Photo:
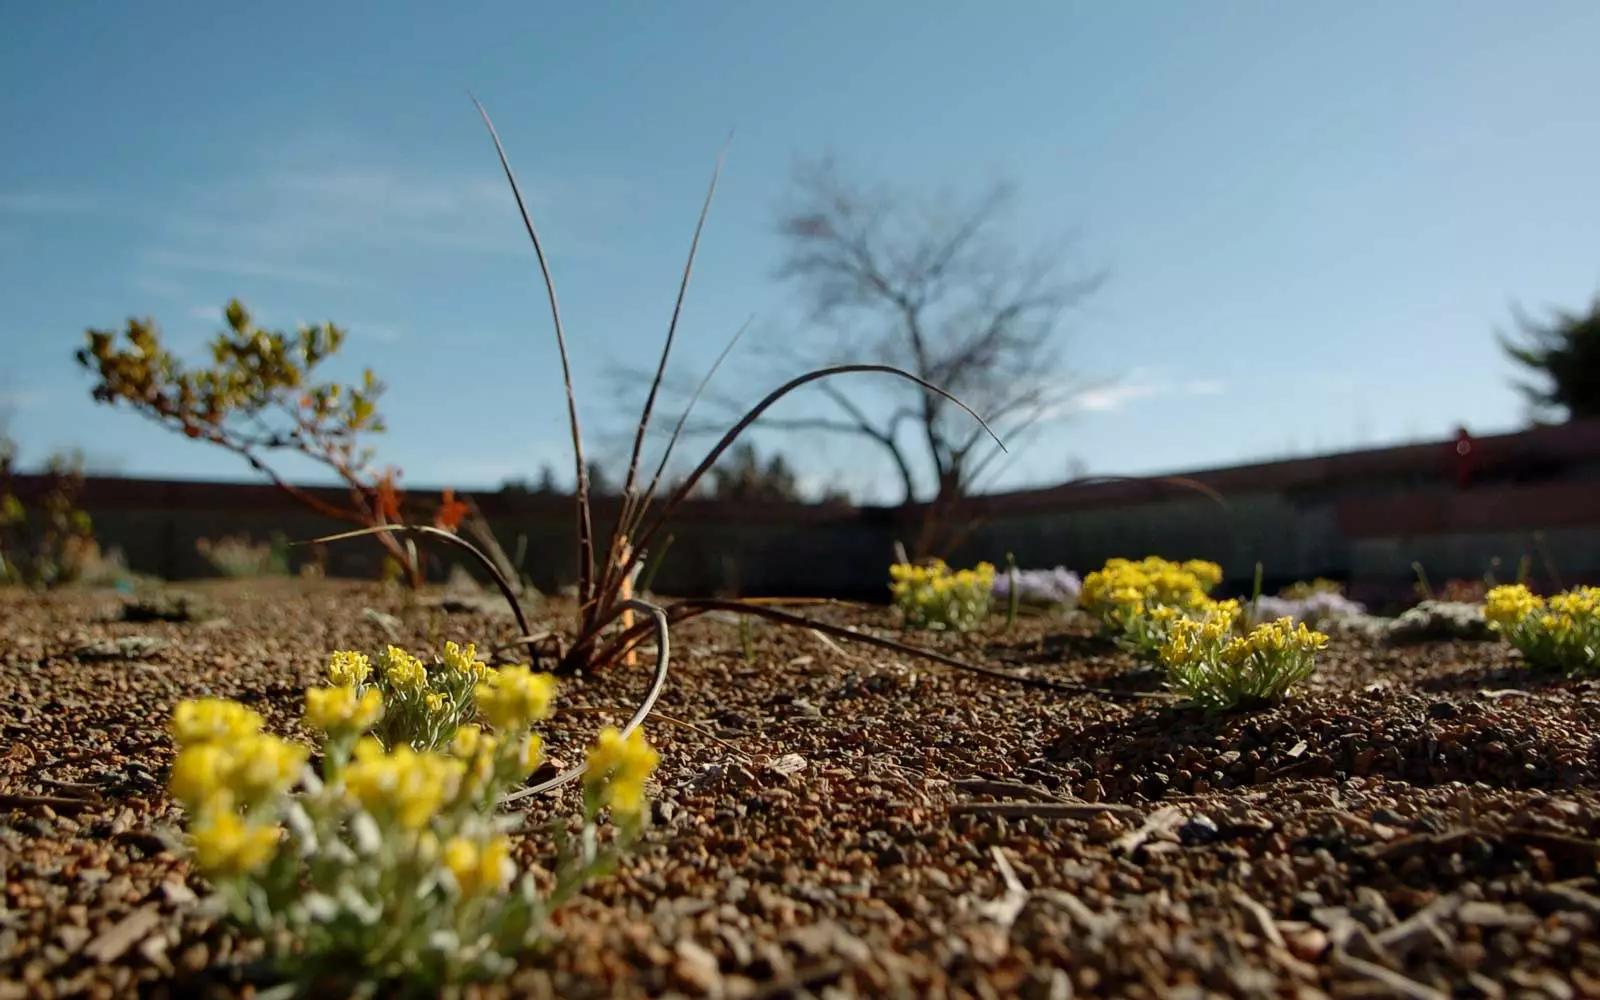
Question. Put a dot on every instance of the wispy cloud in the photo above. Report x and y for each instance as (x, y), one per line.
(243, 266)
(45, 203)
(1205, 387)
(1113, 397)
(1140, 385)
(22, 399)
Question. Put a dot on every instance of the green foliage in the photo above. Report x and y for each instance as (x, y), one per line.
(1559, 634)
(931, 596)
(258, 395)
(236, 557)
(387, 870)
(743, 476)
(1213, 667)
(53, 544)
(1563, 357)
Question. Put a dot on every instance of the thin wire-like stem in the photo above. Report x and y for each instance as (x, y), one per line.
(683, 418)
(500, 580)
(689, 608)
(585, 515)
(657, 620)
(754, 414)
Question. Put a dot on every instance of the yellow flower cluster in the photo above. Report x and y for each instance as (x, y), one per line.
(515, 697)
(616, 769)
(348, 669)
(932, 596)
(402, 784)
(1561, 633)
(1123, 587)
(1212, 666)
(402, 671)
(226, 768)
(479, 866)
(340, 709)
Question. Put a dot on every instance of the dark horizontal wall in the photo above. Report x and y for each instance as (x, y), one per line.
(1359, 516)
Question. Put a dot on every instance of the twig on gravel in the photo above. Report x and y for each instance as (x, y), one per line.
(9, 801)
(1266, 924)
(1404, 936)
(1160, 821)
(991, 786)
(1039, 810)
(1401, 985)
(1005, 910)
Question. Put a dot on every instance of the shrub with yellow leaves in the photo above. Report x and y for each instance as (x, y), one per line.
(931, 596)
(391, 870)
(1212, 666)
(1560, 635)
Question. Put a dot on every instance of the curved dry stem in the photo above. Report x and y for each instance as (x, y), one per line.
(506, 590)
(658, 621)
(689, 608)
(754, 414)
(585, 518)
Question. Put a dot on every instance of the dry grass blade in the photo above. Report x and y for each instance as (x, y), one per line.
(683, 418)
(672, 333)
(658, 621)
(585, 518)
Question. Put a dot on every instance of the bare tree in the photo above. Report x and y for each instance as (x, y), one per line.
(932, 285)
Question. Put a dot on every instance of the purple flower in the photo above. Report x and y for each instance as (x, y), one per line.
(1059, 586)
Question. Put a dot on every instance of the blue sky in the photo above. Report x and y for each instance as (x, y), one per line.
(1313, 215)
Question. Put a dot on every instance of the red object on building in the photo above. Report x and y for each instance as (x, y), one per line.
(1466, 457)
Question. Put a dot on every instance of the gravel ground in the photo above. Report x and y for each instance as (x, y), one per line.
(839, 822)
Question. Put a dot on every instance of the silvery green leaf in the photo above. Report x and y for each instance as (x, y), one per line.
(445, 941)
(507, 823)
(320, 907)
(310, 780)
(369, 839)
(301, 826)
(359, 906)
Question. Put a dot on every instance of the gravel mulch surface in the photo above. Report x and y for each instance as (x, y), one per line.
(839, 822)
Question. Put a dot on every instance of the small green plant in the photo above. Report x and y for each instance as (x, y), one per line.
(1213, 667)
(258, 396)
(1137, 603)
(234, 556)
(389, 871)
(932, 596)
(52, 545)
(1561, 634)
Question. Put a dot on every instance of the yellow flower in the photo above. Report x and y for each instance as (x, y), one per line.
(348, 668)
(437, 703)
(266, 766)
(515, 697)
(224, 844)
(530, 755)
(469, 739)
(618, 765)
(200, 776)
(204, 720)
(464, 660)
(1506, 606)
(403, 671)
(403, 784)
(341, 710)
(479, 868)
